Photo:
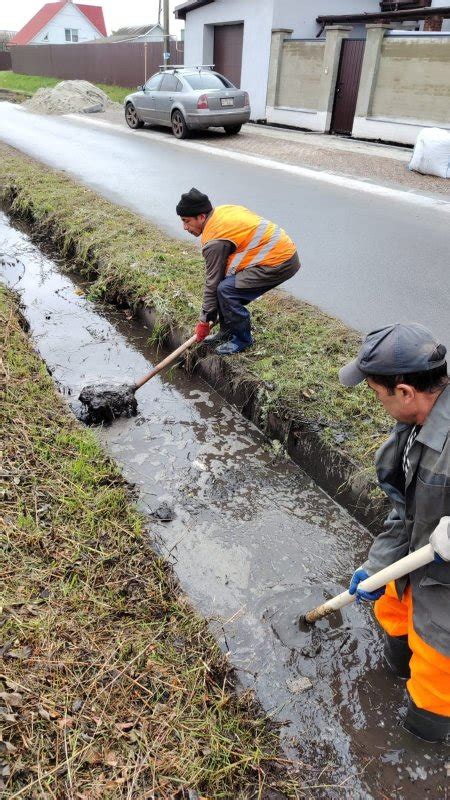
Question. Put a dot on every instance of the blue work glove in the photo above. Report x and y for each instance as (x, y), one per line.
(438, 559)
(358, 576)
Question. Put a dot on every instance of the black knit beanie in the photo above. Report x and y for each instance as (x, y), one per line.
(193, 203)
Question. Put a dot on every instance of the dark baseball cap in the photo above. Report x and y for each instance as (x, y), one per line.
(394, 350)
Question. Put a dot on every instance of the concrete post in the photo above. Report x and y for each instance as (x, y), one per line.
(276, 57)
(330, 66)
(369, 71)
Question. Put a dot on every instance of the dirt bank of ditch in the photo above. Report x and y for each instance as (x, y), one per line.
(287, 384)
(111, 684)
(14, 95)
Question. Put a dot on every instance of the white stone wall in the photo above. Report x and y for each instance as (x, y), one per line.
(408, 89)
(68, 17)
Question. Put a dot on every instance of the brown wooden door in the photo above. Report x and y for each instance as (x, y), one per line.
(228, 51)
(347, 85)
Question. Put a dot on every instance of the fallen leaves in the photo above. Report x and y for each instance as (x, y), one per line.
(20, 653)
(65, 722)
(6, 716)
(12, 699)
(44, 713)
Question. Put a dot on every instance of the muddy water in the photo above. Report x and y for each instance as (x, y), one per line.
(250, 537)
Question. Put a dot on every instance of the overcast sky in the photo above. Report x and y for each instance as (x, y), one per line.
(14, 15)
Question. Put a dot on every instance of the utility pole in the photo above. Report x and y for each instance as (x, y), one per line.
(166, 54)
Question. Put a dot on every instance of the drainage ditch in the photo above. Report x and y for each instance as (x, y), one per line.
(253, 541)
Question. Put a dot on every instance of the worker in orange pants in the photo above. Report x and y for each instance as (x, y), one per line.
(408, 656)
(406, 369)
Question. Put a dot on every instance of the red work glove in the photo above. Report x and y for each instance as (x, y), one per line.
(202, 330)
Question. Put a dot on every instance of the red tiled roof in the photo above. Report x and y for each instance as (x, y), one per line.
(46, 14)
(94, 15)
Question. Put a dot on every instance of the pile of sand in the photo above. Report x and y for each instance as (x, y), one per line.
(68, 97)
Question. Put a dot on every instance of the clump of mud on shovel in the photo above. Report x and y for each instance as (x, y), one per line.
(106, 402)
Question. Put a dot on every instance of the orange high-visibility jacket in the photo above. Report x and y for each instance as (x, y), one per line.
(257, 241)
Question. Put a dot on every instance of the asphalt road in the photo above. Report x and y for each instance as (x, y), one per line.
(367, 259)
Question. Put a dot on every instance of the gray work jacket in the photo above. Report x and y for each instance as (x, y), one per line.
(418, 505)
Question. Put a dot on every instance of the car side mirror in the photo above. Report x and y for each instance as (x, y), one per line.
(141, 88)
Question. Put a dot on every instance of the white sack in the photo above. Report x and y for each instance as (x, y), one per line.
(431, 154)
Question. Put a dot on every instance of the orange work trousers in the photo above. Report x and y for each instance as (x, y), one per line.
(429, 684)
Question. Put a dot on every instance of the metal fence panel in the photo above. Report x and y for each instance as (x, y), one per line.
(5, 60)
(117, 63)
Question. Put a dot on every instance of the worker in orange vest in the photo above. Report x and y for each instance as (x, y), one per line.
(245, 256)
(406, 369)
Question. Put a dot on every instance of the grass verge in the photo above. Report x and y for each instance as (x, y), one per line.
(111, 686)
(298, 350)
(31, 83)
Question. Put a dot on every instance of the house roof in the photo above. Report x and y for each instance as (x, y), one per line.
(132, 32)
(93, 13)
(181, 11)
(384, 16)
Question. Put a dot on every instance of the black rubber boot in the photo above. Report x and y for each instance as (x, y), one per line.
(397, 654)
(221, 336)
(426, 725)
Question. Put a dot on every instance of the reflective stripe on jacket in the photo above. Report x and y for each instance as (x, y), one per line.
(418, 505)
(257, 241)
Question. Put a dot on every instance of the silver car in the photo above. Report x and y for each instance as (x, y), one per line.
(188, 98)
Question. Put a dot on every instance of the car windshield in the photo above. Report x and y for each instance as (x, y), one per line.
(207, 80)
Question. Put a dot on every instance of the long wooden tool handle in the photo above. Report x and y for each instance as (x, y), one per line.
(396, 570)
(166, 361)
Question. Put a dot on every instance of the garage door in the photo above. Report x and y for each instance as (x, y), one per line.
(228, 51)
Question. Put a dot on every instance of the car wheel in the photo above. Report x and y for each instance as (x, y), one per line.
(132, 118)
(232, 130)
(179, 127)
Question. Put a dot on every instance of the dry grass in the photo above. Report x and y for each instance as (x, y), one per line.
(110, 685)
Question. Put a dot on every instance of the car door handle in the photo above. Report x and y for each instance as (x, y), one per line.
(170, 98)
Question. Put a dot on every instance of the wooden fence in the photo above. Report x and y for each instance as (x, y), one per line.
(117, 63)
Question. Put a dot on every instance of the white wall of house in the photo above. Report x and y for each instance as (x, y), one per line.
(257, 18)
(301, 14)
(68, 17)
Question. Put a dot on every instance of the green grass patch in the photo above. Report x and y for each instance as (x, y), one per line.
(31, 83)
(111, 686)
(298, 351)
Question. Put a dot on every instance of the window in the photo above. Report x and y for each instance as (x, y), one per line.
(169, 83)
(207, 80)
(153, 82)
(71, 34)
